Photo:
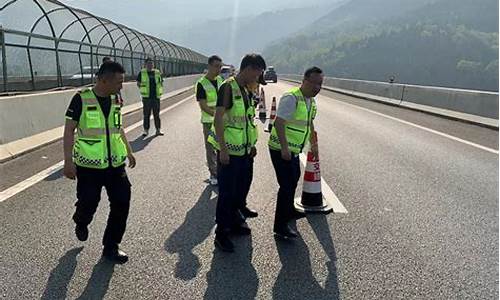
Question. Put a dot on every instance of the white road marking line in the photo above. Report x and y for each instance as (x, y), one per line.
(21, 186)
(451, 137)
(327, 192)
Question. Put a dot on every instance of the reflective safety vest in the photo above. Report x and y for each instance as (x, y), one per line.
(240, 132)
(297, 130)
(211, 93)
(98, 140)
(144, 84)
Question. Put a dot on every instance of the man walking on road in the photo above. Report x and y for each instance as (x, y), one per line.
(292, 129)
(206, 94)
(97, 157)
(235, 139)
(150, 85)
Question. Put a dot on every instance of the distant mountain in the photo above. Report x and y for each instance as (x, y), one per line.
(232, 38)
(436, 42)
(160, 16)
(357, 14)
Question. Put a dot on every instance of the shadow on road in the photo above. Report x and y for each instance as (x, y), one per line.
(55, 176)
(295, 279)
(196, 228)
(232, 275)
(141, 142)
(98, 284)
(60, 276)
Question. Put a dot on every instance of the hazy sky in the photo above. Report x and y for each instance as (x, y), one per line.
(145, 14)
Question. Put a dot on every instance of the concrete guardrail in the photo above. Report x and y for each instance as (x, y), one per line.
(30, 121)
(480, 107)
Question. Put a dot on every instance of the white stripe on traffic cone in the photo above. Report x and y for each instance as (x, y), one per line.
(272, 116)
(312, 198)
(262, 106)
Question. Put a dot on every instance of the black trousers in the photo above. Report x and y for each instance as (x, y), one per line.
(148, 105)
(288, 175)
(88, 192)
(234, 182)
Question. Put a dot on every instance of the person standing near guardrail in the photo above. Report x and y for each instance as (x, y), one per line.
(235, 138)
(206, 94)
(150, 85)
(97, 157)
(293, 128)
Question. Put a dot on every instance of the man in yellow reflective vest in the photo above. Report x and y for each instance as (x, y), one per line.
(235, 138)
(206, 94)
(150, 85)
(292, 129)
(97, 157)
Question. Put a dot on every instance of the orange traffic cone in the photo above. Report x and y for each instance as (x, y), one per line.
(312, 198)
(262, 106)
(273, 115)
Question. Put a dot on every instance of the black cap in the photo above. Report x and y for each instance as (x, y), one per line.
(261, 79)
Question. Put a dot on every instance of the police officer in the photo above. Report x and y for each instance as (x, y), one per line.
(206, 95)
(235, 139)
(292, 129)
(97, 157)
(150, 85)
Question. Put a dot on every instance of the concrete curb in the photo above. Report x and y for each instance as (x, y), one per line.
(22, 146)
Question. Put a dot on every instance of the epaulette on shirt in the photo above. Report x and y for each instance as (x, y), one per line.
(84, 90)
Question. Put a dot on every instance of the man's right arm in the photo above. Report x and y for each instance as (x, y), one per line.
(138, 80)
(279, 124)
(68, 141)
(72, 117)
(204, 107)
(222, 103)
(201, 97)
(285, 111)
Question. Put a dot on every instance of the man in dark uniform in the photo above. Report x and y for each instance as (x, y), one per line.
(206, 94)
(150, 83)
(97, 157)
(293, 129)
(235, 139)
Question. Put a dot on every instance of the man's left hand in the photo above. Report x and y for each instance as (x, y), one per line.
(315, 151)
(131, 161)
(253, 152)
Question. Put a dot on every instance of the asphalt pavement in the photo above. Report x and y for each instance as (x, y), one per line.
(421, 221)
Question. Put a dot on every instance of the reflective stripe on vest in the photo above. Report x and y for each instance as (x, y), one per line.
(297, 130)
(240, 132)
(211, 94)
(144, 84)
(98, 140)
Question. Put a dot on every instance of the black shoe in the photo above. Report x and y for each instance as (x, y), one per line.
(115, 255)
(248, 213)
(82, 232)
(241, 229)
(285, 232)
(223, 243)
(298, 215)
